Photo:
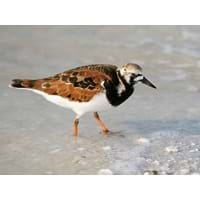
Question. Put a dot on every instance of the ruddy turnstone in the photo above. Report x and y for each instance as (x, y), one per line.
(90, 88)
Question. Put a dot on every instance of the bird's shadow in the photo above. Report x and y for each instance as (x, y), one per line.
(118, 133)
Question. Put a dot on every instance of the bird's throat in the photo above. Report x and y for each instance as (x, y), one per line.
(117, 94)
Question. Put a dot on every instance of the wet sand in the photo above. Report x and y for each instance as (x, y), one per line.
(154, 132)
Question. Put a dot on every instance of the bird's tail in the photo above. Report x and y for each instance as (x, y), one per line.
(19, 83)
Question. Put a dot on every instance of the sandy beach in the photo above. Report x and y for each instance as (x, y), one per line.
(153, 132)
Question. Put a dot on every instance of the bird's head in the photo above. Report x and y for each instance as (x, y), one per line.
(132, 73)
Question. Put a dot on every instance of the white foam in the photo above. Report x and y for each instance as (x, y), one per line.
(171, 149)
(106, 148)
(105, 172)
(142, 140)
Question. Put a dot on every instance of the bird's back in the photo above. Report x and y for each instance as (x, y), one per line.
(78, 84)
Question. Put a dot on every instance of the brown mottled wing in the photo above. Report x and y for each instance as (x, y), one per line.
(79, 84)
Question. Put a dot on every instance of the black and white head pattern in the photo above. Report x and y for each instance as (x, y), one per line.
(132, 73)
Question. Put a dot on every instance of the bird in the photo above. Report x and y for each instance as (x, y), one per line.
(90, 88)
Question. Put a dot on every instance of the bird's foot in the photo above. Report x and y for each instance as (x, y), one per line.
(105, 132)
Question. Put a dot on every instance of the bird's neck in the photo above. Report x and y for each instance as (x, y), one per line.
(118, 92)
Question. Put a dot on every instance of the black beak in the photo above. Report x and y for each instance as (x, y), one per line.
(147, 82)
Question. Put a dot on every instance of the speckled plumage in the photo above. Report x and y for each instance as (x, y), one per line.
(79, 84)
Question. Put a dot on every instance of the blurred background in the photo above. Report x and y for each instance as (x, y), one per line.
(36, 136)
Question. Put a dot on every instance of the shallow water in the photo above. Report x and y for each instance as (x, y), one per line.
(36, 136)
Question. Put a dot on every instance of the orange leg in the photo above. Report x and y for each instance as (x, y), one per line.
(75, 128)
(101, 124)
